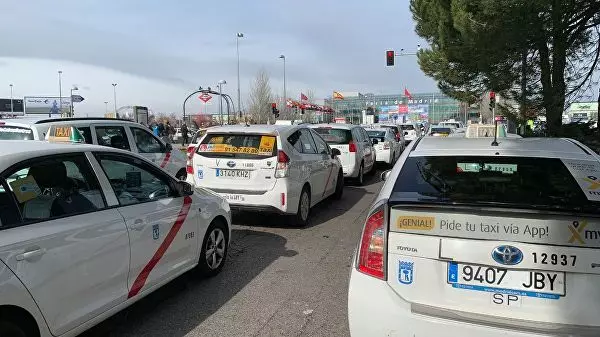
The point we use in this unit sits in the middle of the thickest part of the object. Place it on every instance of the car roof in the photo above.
(14, 151)
(519, 147)
(336, 126)
(85, 119)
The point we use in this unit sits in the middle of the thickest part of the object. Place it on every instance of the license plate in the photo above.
(236, 174)
(233, 197)
(540, 284)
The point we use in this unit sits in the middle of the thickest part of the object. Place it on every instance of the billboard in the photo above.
(17, 106)
(418, 111)
(46, 105)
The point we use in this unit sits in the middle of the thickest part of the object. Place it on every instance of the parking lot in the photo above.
(278, 281)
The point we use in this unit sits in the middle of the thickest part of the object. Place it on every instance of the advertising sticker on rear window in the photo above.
(587, 174)
(266, 145)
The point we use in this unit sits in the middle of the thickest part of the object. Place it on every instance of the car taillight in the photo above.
(189, 166)
(281, 170)
(190, 151)
(372, 246)
(352, 147)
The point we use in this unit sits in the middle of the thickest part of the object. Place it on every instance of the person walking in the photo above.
(184, 134)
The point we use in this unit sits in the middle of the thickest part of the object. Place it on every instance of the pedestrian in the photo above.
(184, 134)
(161, 129)
(155, 130)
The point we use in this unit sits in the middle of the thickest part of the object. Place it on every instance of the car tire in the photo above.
(339, 187)
(213, 252)
(9, 329)
(360, 179)
(303, 212)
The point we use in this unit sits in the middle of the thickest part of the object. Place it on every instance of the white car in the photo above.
(117, 133)
(442, 131)
(411, 131)
(467, 238)
(358, 154)
(387, 148)
(88, 230)
(283, 169)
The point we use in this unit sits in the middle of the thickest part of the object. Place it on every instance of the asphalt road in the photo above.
(278, 281)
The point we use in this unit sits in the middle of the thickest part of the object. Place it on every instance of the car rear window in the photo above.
(335, 136)
(438, 131)
(15, 133)
(519, 182)
(407, 127)
(238, 145)
(379, 135)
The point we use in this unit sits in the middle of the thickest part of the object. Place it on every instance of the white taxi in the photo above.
(388, 148)
(411, 131)
(471, 239)
(283, 169)
(88, 230)
(117, 133)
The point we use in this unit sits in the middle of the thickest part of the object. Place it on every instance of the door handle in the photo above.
(137, 225)
(30, 254)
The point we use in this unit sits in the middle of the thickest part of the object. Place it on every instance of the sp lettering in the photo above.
(506, 300)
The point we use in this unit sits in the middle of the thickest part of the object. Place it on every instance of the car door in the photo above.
(317, 165)
(70, 249)
(329, 163)
(161, 223)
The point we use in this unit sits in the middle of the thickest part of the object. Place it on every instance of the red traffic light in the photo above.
(273, 105)
(389, 56)
(492, 95)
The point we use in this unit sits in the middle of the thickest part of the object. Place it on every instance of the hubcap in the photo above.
(215, 248)
(304, 206)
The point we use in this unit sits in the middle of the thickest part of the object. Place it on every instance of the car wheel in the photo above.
(8, 329)
(339, 187)
(360, 180)
(301, 218)
(214, 249)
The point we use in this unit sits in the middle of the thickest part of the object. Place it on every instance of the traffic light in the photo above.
(274, 110)
(389, 55)
(492, 100)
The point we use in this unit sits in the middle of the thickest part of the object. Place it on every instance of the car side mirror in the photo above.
(385, 175)
(406, 133)
(335, 152)
(169, 147)
(185, 188)
(374, 141)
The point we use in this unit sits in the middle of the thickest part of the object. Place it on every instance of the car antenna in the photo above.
(495, 142)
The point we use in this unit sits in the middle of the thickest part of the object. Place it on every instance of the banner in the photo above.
(47, 105)
(403, 109)
(420, 111)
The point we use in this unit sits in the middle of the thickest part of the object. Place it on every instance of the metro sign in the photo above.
(204, 97)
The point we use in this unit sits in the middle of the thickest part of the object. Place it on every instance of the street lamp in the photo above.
(12, 111)
(284, 88)
(220, 86)
(237, 47)
(60, 91)
(105, 108)
(115, 98)
(74, 88)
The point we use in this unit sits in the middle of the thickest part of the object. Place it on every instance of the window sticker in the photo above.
(25, 189)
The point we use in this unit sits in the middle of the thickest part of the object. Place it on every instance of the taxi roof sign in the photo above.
(64, 134)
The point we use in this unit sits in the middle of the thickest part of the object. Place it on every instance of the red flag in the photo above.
(407, 93)
(303, 97)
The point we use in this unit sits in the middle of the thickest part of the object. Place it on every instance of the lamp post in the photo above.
(105, 108)
(74, 88)
(220, 85)
(237, 47)
(12, 110)
(60, 91)
(115, 98)
(284, 84)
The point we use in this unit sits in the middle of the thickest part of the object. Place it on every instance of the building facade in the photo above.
(433, 107)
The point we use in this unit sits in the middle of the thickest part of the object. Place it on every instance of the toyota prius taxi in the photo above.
(470, 237)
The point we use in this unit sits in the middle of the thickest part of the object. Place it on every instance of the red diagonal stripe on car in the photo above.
(166, 160)
(143, 276)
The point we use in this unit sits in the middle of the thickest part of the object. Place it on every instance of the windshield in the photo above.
(376, 134)
(407, 127)
(511, 181)
(335, 136)
(238, 145)
(15, 133)
(435, 131)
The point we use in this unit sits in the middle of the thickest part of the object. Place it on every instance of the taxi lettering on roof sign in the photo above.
(64, 134)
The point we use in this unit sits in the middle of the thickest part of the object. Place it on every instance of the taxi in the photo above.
(88, 230)
(117, 133)
(482, 237)
(283, 169)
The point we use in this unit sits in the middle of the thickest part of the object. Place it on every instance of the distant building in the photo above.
(583, 112)
(361, 108)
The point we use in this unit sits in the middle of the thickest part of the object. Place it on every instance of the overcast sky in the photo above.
(158, 52)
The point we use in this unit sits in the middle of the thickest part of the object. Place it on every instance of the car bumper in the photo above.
(374, 309)
(280, 199)
(384, 156)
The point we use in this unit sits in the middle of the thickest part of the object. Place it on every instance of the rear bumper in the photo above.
(384, 156)
(374, 309)
(270, 201)
(256, 208)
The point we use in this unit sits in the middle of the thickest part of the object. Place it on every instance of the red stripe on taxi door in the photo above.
(166, 160)
(327, 181)
(143, 276)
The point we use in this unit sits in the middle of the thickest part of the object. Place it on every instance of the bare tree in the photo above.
(260, 99)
